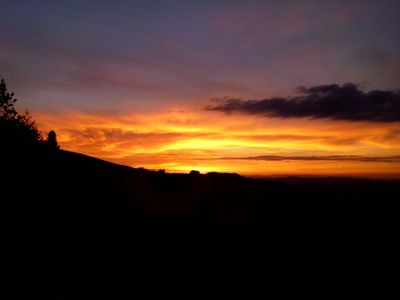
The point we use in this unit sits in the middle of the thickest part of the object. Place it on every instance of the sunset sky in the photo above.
(253, 87)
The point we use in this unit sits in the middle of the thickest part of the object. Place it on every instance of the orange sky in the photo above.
(129, 82)
(183, 139)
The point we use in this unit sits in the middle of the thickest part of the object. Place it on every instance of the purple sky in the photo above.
(116, 56)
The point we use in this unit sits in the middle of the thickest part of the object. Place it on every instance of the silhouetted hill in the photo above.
(76, 227)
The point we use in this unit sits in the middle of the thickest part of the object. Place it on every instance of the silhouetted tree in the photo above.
(7, 100)
(51, 140)
(16, 130)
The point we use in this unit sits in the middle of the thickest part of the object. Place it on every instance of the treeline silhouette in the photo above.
(76, 227)
(19, 131)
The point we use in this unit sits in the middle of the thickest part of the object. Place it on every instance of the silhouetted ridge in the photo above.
(77, 227)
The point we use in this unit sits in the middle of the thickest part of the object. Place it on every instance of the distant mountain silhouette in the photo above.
(77, 227)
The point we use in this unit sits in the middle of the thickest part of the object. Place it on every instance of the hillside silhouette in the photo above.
(77, 227)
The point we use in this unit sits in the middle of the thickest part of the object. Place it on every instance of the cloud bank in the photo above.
(338, 102)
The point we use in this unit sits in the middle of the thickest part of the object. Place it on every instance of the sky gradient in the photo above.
(144, 83)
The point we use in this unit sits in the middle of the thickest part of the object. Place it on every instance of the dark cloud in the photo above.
(338, 102)
(392, 159)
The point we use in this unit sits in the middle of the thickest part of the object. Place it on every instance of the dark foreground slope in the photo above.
(74, 227)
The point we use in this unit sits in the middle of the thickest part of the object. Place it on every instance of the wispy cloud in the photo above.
(386, 159)
(180, 140)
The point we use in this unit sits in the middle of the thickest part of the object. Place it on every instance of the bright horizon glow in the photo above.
(128, 81)
(180, 141)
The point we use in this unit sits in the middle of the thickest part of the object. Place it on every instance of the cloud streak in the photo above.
(181, 140)
(338, 102)
(388, 159)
